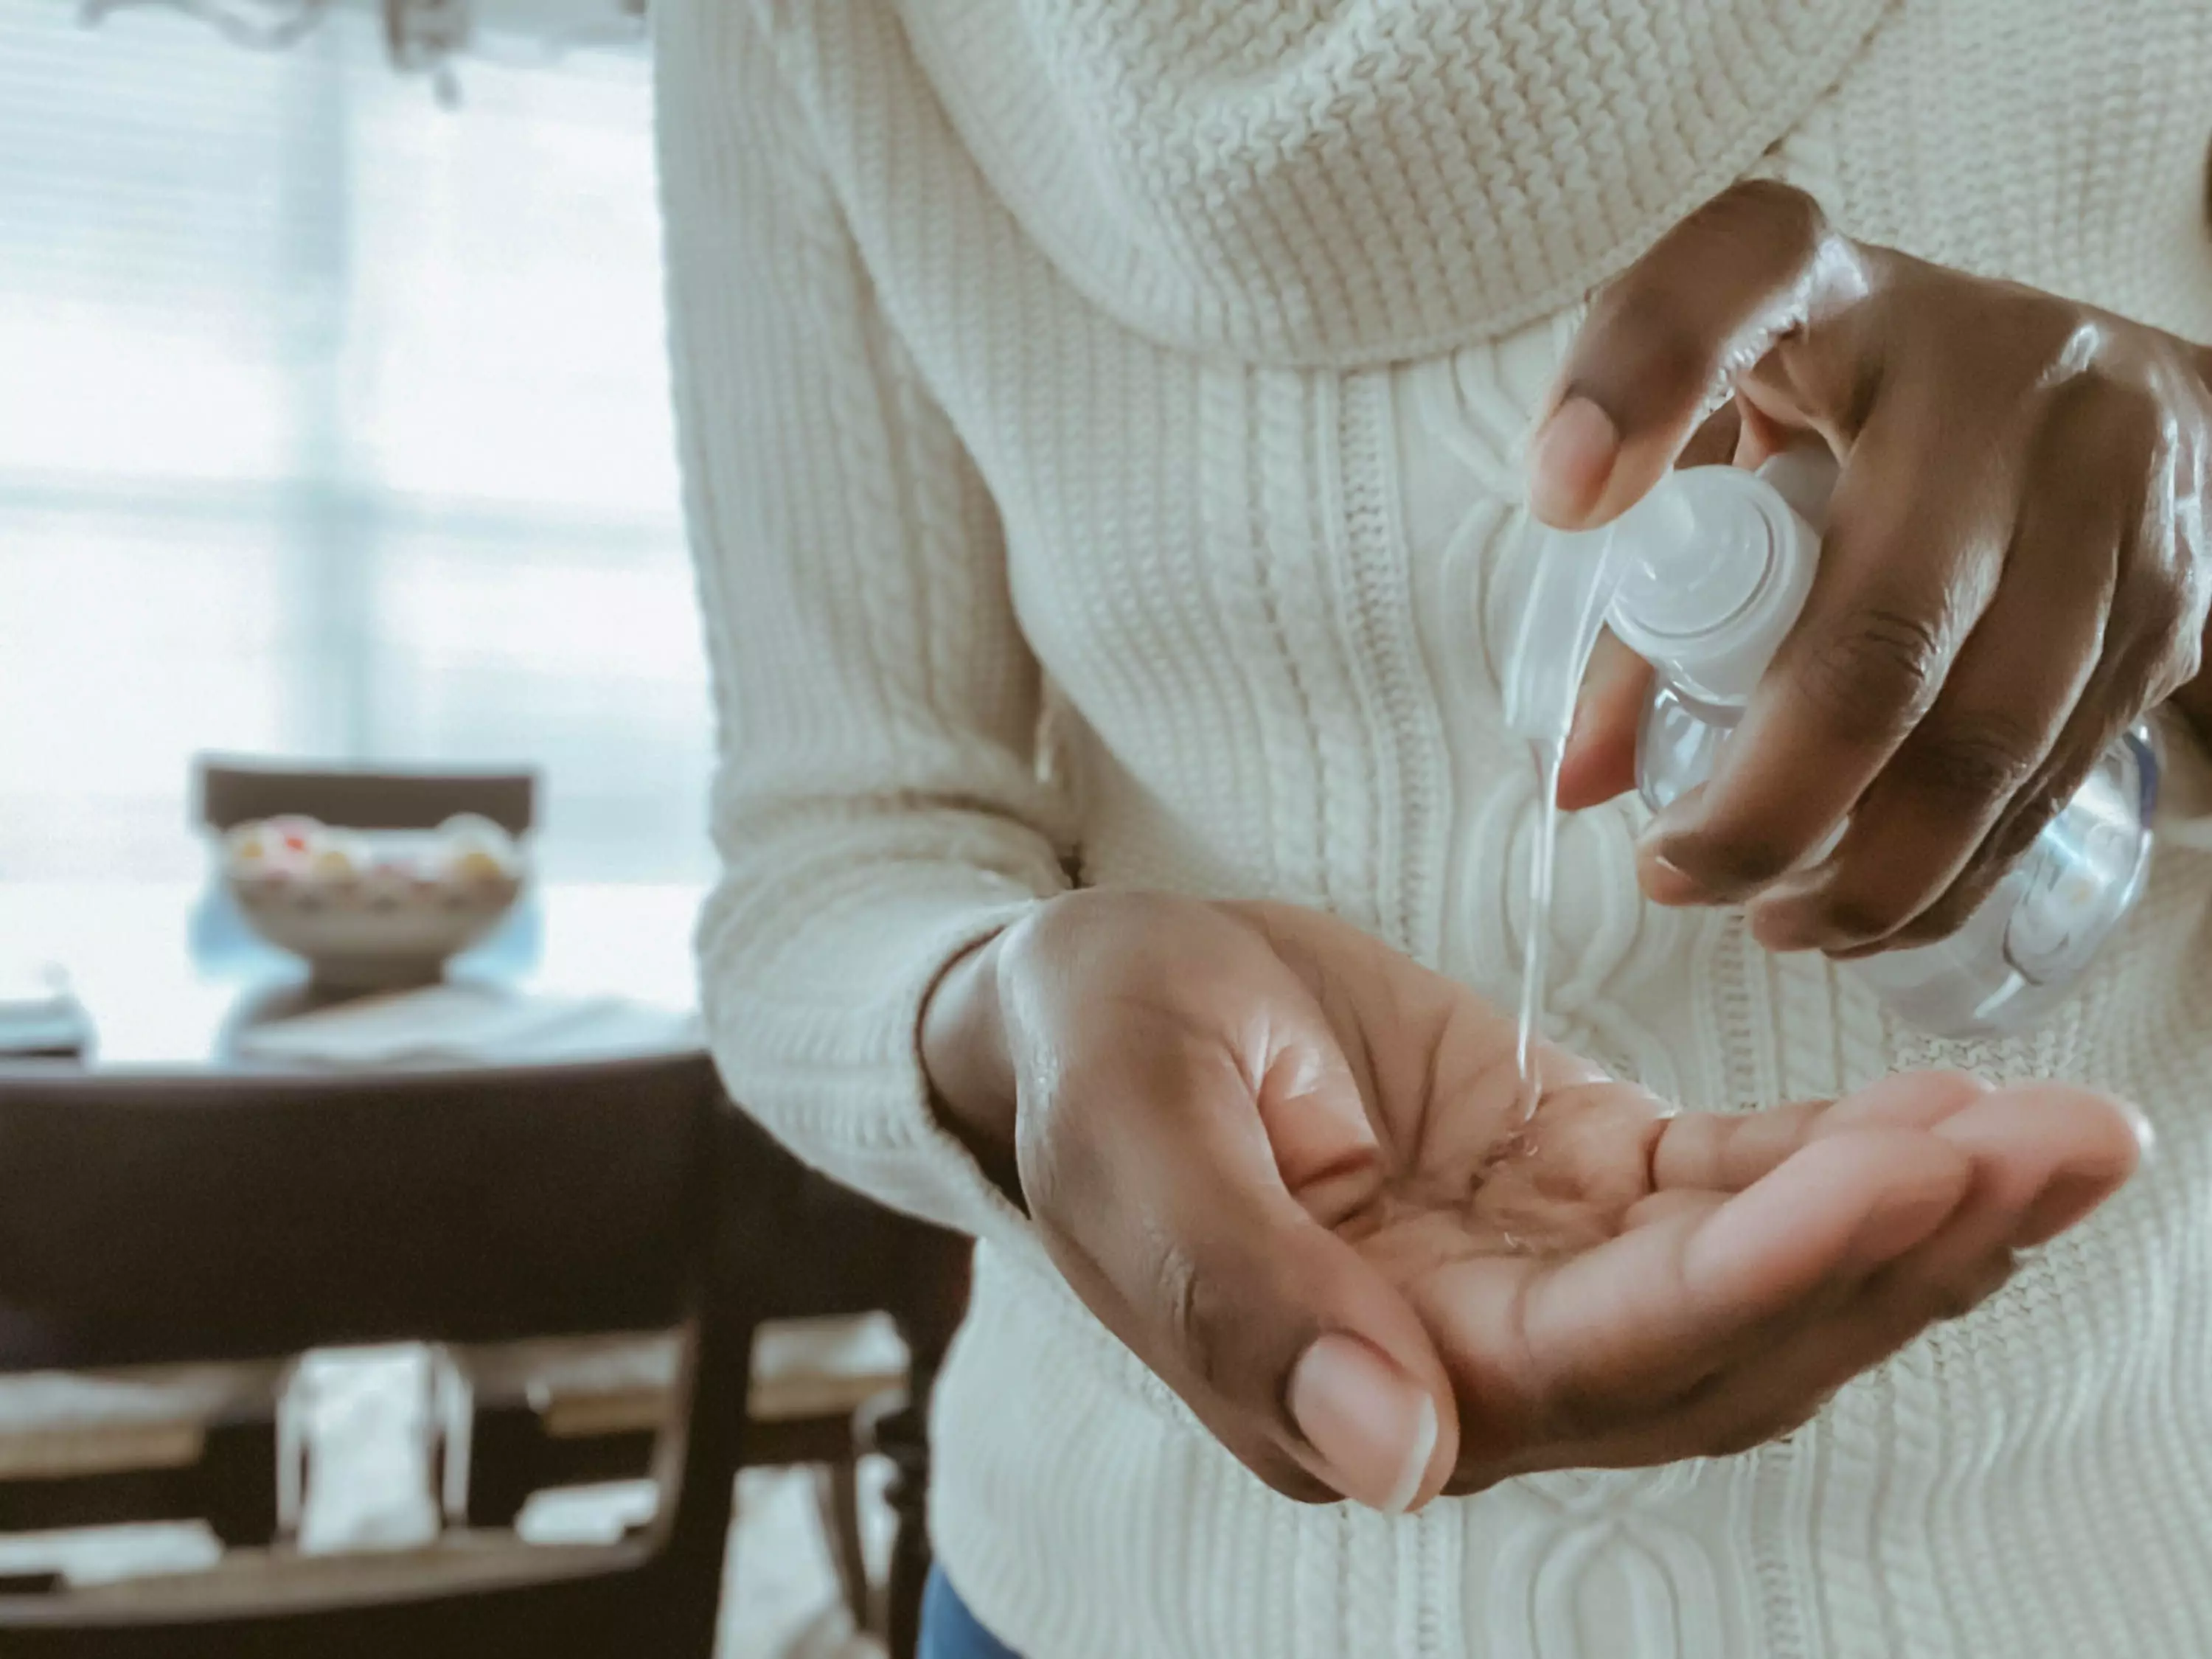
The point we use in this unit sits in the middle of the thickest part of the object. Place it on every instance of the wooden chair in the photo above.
(832, 1252)
(570, 1413)
(166, 1245)
(803, 1412)
(223, 1225)
(231, 790)
(824, 1260)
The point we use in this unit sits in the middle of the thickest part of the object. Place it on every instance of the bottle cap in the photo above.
(1713, 567)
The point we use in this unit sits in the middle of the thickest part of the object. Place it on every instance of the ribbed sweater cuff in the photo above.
(838, 1077)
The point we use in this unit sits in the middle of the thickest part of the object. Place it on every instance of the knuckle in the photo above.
(2188, 655)
(1729, 860)
(1946, 915)
(1655, 340)
(1214, 1335)
(2178, 656)
(2136, 682)
(1791, 211)
(2031, 816)
(1874, 676)
(1856, 916)
(1761, 223)
(2103, 411)
(1967, 763)
(1180, 1301)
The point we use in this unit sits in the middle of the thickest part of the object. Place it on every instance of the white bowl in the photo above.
(373, 908)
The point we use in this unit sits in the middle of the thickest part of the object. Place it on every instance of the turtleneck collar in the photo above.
(1331, 182)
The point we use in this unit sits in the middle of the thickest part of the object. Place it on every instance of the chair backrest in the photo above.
(231, 790)
(177, 1218)
(183, 1218)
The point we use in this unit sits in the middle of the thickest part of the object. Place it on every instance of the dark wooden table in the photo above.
(170, 980)
(170, 977)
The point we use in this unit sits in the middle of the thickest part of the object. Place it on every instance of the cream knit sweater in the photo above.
(1102, 420)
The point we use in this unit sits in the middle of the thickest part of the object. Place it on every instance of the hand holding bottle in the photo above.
(2015, 568)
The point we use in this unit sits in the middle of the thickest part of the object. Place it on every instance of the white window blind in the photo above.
(332, 425)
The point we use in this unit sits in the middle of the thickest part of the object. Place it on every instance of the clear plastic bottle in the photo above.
(1703, 579)
(1712, 573)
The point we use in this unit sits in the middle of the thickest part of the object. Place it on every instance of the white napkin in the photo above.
(476, 1024)
(363, 1425)
(38, 1013)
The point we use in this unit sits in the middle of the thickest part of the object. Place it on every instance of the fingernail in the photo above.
(1597, 683)
(1570, 462)
(1373, 1427)
(2139, 1125)
(1665, 883)
(1782, 928)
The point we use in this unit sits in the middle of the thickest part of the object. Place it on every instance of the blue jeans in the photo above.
(948, 1630)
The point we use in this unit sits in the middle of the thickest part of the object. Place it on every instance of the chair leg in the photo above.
(837, 1496)
(927, 1324)
(902, 1435)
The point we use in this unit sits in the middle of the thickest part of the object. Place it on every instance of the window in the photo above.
(334, 425)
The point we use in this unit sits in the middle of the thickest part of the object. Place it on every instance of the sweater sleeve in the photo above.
(878, 804)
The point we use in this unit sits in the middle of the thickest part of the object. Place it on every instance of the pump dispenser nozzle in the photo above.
(1574, 581)
(1703, 578)
(1718, 567)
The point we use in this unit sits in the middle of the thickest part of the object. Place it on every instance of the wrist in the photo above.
(965, 1059)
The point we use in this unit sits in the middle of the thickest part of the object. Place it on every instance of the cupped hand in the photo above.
(1296, 1174)
(2015, 568)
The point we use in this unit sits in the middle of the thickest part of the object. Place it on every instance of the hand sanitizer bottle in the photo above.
(1707, 576)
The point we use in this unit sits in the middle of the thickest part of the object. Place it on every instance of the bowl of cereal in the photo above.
(372, 909)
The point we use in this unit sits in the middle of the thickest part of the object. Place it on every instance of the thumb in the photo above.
(1285, 1320)
(1663, 341)
(1162, 1204)
(1599, 762)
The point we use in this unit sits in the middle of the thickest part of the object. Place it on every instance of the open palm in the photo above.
(1609, 1283)
(1292, 1170)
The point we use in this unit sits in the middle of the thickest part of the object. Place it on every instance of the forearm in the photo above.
(879, 807)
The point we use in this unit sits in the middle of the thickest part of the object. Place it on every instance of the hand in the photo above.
(2015, 568)
(1289, 1168)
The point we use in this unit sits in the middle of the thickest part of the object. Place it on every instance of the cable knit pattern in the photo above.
(1366, 178)
(1101, 423)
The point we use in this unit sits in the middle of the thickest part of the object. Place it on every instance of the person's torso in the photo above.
(1272, 600)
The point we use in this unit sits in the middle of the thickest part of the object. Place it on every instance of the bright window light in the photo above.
(332, 425)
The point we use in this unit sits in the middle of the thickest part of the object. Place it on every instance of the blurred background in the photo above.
(334, 422)
(335, 437)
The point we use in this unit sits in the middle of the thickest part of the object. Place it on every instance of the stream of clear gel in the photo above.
(1536, 933)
